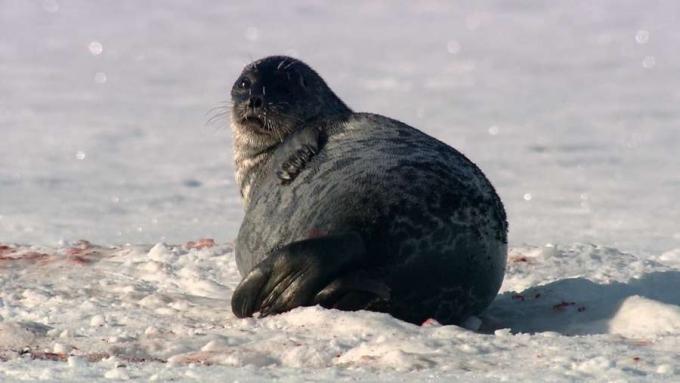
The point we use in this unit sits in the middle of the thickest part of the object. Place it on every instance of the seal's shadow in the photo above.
(576, 306)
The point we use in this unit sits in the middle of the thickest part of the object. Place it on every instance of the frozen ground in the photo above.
(570, 108)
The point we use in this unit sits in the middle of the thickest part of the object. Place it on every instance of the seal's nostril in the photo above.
(255, 102)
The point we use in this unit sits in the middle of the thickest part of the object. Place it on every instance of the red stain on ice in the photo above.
(81, 253)
(79, 248)
(79, 260)
(27, 256)
(430, 322)
(199, 244)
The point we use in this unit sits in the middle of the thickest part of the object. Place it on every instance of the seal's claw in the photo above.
(284, 176)
(295, 152)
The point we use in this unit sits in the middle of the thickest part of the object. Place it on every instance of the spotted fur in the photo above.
(434, 228)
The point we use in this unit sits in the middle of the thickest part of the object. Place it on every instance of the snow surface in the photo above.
(584, 312)
(570, 108)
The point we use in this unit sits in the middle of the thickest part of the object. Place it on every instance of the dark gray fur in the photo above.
(412, 227)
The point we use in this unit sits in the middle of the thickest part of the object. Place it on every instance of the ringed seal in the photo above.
(355, 210)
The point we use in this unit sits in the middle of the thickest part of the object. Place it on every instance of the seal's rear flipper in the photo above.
(355, 291)
(294, 274)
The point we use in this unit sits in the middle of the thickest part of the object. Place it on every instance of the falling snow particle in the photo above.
(642, 36)
(251, 34)
(493, 130)
(648, 62)
(96, 48)
(80, 155)
(527, 196)
(100, 77)
(453, 47)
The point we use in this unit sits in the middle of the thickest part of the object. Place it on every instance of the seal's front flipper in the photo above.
(293, 275)
(355, 291)
(295, 152)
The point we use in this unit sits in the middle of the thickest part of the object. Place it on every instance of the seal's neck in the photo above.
(252, 152)
(250, 156)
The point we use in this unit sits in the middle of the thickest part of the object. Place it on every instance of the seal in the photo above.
(355, 210)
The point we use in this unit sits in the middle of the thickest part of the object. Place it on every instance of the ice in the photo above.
(570, 108)
(642, 36)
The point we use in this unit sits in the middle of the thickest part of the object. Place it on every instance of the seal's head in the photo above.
(272, 98)
(277, 95)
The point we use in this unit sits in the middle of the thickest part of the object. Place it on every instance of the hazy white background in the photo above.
(571, 108)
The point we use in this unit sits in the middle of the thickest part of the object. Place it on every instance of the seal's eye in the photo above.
(244, 83)
(303, 82)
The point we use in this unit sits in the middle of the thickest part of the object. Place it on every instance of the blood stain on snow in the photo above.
(518, 297)
(203, 243)
(430, 322)
(79, 260)
(79, 248)
(27, 256)
(53, 356)
(563, 305)
(519, 259)
(81, 253)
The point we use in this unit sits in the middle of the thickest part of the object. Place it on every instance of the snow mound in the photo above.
(671, 257)
(639, 317)
(579, 289)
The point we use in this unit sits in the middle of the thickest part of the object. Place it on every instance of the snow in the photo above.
(163, 311)
(570, 108)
